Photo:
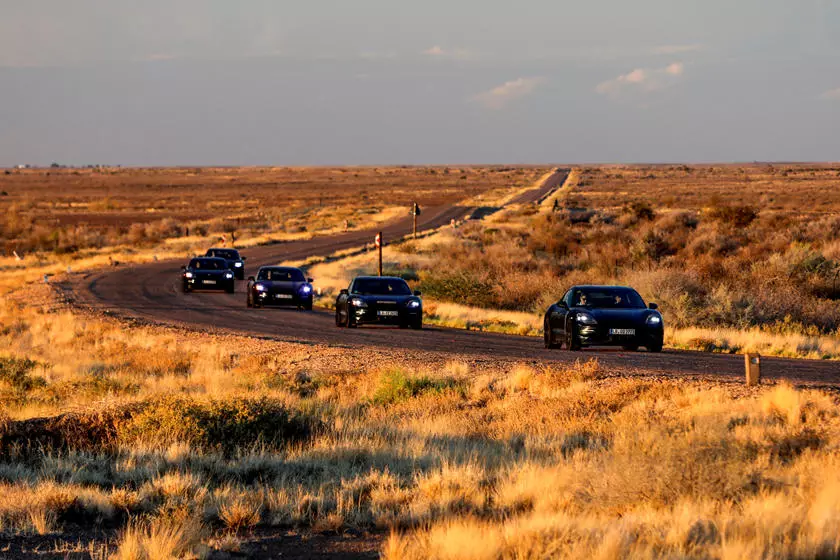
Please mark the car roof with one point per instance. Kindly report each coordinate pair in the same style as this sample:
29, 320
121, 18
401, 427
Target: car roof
277, 267
203, 258
597, 286
223, 249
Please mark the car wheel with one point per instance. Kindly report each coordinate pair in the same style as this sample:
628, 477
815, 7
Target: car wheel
417, 324
348, 321
186, 290
548, 337
307, 306
338, 322
249, 300
230, 289
573, 342
655, 346
631, 347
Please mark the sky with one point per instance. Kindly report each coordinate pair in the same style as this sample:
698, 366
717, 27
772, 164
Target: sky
371, 82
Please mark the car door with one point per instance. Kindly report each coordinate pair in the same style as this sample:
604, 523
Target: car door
341, 302
563, 307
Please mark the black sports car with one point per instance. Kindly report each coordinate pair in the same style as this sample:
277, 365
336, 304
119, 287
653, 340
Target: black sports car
203, 273
280, 285
603, 316
235, 261
379, 300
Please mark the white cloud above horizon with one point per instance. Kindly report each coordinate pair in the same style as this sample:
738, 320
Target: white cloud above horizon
500, 96
643, 80
831, 95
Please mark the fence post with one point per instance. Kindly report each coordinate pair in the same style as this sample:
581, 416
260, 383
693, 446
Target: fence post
753, 369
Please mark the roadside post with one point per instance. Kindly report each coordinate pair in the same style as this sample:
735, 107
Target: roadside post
753, 369
378, 243
415, 211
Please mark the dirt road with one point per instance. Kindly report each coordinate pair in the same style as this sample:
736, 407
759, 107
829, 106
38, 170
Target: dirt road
152, 292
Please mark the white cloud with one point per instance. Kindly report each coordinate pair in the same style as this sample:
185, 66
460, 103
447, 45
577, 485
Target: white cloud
642, 80
498, 97
831, 95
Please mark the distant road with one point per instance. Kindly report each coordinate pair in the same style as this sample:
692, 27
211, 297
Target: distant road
152, 292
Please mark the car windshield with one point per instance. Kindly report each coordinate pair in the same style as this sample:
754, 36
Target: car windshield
608, 298
229, 254
280, 275
381, 287
207, 264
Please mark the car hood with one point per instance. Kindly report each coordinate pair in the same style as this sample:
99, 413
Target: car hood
206, 272
617, 315
281, 285
388, 298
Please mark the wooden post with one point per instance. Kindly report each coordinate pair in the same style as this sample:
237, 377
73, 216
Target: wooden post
415, 225
379, 242
753, 369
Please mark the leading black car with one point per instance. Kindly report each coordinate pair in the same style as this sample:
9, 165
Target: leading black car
234, 260
203, 273
603, 316
280, 285
383, 300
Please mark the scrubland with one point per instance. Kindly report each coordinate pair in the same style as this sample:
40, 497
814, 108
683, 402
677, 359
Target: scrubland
145, 442
739, 258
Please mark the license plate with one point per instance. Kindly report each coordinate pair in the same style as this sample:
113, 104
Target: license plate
387, 313
283, 296
208, 281
623, 332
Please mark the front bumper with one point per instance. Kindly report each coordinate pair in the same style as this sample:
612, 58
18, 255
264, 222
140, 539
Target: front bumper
278, 299
598, 335
370, 316
198, 284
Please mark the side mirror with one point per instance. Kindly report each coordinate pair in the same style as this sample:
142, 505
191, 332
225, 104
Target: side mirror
244, 258
653, 306
416, 292
344, 292
310, 280
251, 279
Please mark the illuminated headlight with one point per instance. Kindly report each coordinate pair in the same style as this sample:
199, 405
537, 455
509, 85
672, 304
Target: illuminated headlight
237, 265
358, 302
586, 319
188, 275
413, 304
228, 275
259, 288
306, 289
654, 320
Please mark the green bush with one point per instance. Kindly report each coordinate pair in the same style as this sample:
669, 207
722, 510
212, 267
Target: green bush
223, 425
461, 286
395, 386
16, 372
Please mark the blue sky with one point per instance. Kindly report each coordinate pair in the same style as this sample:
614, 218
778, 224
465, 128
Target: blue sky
197, 82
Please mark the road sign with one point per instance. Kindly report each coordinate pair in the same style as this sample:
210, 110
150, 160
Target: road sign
377, 241
416, 209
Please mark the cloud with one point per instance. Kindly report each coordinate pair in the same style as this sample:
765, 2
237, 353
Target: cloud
498, 97
678, 49
642, 80
831, 95
435, 51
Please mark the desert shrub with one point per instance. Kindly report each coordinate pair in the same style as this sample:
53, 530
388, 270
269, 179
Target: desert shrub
395, 386
16, 372
219, 425
457, 285
737, 216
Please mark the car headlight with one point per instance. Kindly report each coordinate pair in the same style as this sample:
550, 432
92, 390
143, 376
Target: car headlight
413, 304
228, 275
188, 275
585, 319
654, 320
259, 287
306, 289
358, 302
237, 265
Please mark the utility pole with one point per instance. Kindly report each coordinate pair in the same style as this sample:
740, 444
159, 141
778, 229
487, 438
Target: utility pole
378, 243
415, 211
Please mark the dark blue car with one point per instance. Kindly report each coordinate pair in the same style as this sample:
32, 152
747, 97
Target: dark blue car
203, 273
234, 260
382, 300
603, 316
280, 285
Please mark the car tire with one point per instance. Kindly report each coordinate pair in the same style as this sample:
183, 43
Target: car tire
338, 322
572, 341
548, 338
249, 301
417, 324
230, 289
631, 348
655, 347
307, 306
187, 290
